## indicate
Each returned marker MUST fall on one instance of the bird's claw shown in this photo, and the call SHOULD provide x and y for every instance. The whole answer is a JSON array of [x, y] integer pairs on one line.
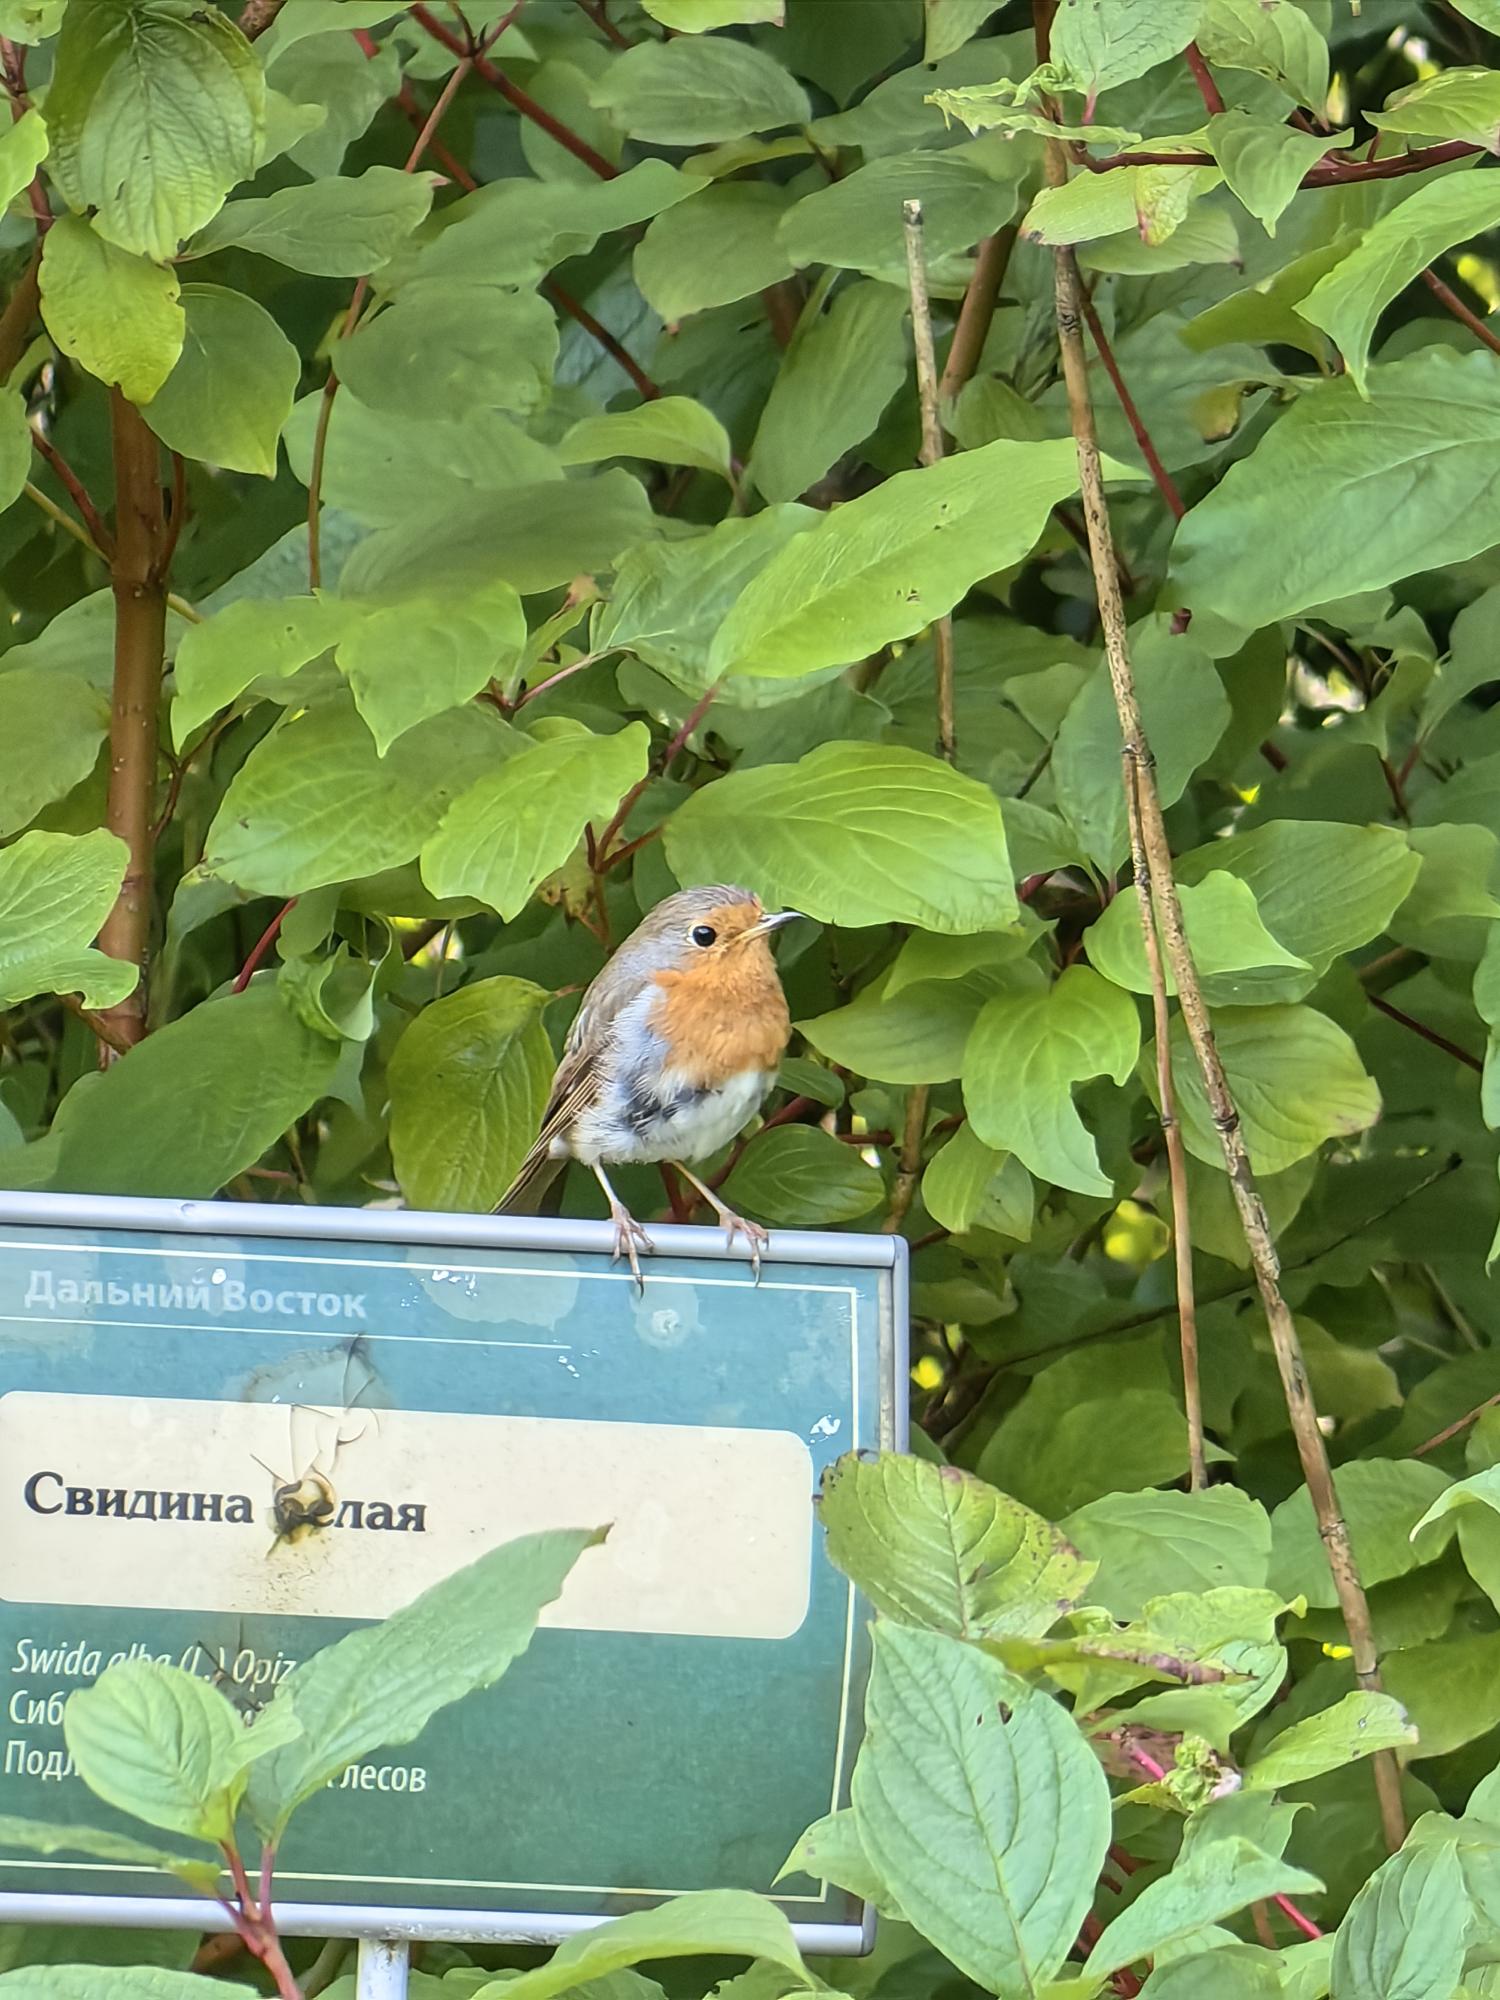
[[629, 1237], [757, 1239]]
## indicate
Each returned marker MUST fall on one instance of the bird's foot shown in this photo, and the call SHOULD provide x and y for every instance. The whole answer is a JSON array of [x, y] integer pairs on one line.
[[629, 1239], [758, 1239]]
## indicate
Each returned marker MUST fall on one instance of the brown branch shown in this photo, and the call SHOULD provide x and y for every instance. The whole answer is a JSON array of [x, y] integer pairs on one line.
[[262, 945], [258, 16], [579, 312], [1329, 172], [932, 452], [909, 1166], [595, 11], [1143, 801], [1164, 483], [1208, 90], [976, 313], [140, 645], [77, 492], [1459, 1424], [518, 98], [783, 303], [1447, 297], [1428, 1034]]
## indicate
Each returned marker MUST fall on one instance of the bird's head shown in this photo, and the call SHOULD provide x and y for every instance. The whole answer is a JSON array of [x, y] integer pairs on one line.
[[717, 924]]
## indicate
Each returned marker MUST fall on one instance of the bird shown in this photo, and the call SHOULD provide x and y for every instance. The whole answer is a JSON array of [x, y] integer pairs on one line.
[[674, 1047]]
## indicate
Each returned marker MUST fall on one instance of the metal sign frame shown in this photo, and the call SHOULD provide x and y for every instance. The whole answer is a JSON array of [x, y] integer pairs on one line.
[[382, 1964]]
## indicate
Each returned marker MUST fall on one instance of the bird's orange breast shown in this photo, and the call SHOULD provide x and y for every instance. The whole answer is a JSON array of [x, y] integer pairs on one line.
[[723, 1016]]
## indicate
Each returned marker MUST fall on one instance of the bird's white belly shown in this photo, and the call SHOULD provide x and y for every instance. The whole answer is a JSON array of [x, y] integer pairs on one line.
[[690, 1128]]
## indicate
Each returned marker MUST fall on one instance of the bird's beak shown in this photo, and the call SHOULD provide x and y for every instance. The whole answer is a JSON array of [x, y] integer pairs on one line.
[[772, 922]]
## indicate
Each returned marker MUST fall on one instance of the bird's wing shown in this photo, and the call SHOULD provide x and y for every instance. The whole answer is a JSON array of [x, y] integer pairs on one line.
[[575, 1086]]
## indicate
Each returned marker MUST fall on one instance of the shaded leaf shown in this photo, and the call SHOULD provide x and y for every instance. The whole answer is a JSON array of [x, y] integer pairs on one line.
[[116, 314], [802, 1177], [55, 892]]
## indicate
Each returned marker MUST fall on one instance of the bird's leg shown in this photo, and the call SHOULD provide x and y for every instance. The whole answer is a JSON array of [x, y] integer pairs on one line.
[[628, 1232], [734, 1225]]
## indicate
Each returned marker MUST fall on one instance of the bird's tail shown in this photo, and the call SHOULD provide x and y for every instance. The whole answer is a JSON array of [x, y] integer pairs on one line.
[[534, 1176]]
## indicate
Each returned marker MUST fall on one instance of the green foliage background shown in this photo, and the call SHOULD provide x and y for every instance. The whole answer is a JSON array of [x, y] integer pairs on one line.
[[625, 577]]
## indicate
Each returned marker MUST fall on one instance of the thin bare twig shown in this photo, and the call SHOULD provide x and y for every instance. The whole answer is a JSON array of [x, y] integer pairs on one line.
[[1449, 299], [1428, 1034], [1143, 799], [932, 452], [1459, 1424], [1165, 485]]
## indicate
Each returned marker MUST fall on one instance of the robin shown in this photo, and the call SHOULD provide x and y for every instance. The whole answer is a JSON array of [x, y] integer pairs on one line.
[[675, 1045]]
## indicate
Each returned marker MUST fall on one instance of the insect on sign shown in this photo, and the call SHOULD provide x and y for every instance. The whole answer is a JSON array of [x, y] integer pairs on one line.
[[230, 1434]]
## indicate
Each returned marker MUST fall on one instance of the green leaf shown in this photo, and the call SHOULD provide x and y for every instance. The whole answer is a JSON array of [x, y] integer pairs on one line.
[[802, 1177], [1185, 710], [54, 724], [916, 1036], [1264, 161], [855, 223], [163, 1745], [463, 643], [1296, 1078], [55, 892], [1148, 1543], [231, 390], [981, 1807], [195, 1103], [854, 833], [692, 92], [830, 1851], [1205, 1886], [330, 228], [1151, 201], [155, 110], [934, 1547], [380, 1686], [885, 565], [700, 17], [1450, 1689], [468, 1085], [968, 1185], [23, 147], [39, 1837], [673, 430], [114, 1982], [1270, 38], [116, 314], [1355, 1727], [1384, 1501], [253, 637], [723, 1923], [1224, 928], [841, 370], [1232, 1972], [497, 348], [1026, 1052], [1009, 105], [516, 825], [1403, 1936], [1454, 104], [721, 246], [315, 802], [1107, 42], [670, 599], [1397, 247], [1243, 554], [1287, 864]]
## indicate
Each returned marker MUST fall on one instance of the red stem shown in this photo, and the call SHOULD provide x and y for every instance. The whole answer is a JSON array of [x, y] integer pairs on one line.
[[518, 98], [262, 945], [77, 492], [1289, 1909], [1428, 1034], [1448, 298], [595, 11], [577, 311], [1327, 173], [699, 709], [1142, 436], [1208, 90]]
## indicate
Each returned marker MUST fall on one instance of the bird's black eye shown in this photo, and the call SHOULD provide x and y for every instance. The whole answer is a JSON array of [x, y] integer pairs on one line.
[[703, 934]]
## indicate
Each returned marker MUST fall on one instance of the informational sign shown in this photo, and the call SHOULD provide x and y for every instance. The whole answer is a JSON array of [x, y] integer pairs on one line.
[[433, 1386]]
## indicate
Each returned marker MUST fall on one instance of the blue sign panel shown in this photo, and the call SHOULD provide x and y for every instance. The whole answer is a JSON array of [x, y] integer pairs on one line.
[[230, 1434]]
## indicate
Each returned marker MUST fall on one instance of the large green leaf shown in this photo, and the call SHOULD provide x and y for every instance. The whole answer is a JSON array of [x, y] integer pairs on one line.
[[855, 223], [1205, 1886], [714, 1922], [803, 1178], [516, 825], [673, 429], [315, 802], [720, 246], [468, 1084], [155, 111], [114, 1982], [1403, 1936], [840, 372], [23, 147], [117, 315], [1454, 104], [194, 1104], [54, 725], [1294, 1075], [231, 388], [1105, 42], [1264, 161], [1146, 1544], [693, 90], [1355, 1727], [1224, 928], [1396, 248], [331, 228], [1431, 422], [463, 641], [969, 1185], [887, 564], [43, 1837], [981, 1806], [1270, 38], [853, 834], [453, 343], [916, 1035], [252, 638], [1026, 1052], [1384, 1501], [381, 1686], [55, 892], [934, 1547]]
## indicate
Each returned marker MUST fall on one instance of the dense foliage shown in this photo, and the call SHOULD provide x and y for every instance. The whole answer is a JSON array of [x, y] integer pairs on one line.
[[579, 333]]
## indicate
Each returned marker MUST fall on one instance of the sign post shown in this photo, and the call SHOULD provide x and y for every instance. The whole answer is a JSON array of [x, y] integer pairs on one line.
[[434, 1385]]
